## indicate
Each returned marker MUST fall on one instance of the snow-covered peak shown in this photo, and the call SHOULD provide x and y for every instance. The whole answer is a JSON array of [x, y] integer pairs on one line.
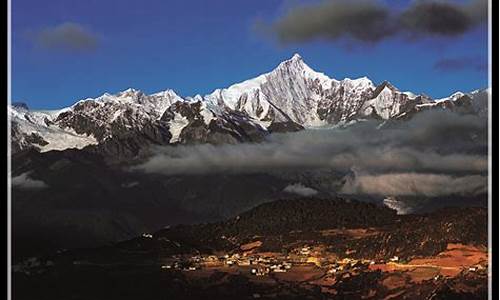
[[386, 90], [130, 91], [166, 93], [114, 105], [289, 97], [296, 60], [410, 94], [389, 85], [38, 126], [388, 102], [456, 96], [452, 97], [129, 94], [292, 91], [289, 92], [159, 102], [296, 65], [362, 83], [14, 111], [19, 106], [296, 56], [232, 94], [196, 98], [486, 90]]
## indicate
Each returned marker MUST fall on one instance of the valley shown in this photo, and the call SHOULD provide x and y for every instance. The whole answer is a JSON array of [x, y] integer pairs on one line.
[[444, 255]]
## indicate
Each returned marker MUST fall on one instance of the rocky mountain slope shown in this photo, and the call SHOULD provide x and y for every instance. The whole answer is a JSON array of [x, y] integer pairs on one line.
[[289, 98]]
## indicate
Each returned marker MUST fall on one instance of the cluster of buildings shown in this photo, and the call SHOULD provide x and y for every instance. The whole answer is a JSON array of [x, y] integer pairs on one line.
[[262, 270], [476, 268], [348, 265], [258, 263], [261, 264]]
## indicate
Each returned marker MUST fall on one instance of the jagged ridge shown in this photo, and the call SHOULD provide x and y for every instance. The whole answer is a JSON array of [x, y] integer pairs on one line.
[[289, 98]]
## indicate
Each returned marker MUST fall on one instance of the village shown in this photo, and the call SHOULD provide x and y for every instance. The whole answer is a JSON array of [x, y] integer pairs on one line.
[[266, 263], [317, 265]]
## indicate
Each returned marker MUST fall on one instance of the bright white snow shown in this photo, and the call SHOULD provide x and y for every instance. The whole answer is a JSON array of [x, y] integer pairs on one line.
[[176, 126], [292, 91]]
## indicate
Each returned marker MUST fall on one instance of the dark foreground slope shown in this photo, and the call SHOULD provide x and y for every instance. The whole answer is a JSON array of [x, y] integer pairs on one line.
[[86, 202], [356, 239]]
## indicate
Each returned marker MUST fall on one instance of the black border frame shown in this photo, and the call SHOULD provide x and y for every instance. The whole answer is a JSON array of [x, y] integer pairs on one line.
[[495, 135]]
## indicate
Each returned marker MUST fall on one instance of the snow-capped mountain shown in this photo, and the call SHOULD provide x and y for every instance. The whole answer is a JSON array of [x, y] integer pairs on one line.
[[37, 129], [295, 92], [288, 98]]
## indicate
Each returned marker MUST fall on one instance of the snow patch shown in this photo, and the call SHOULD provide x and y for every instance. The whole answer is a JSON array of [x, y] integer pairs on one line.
[[452, 97], [176, 126], [410, 95], [59, 139], [56, 137], [207, 115]]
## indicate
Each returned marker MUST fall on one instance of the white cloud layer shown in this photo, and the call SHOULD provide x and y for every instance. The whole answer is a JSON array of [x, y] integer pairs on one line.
[[413, 184], [24, 181], [435, 153], [300, 189]]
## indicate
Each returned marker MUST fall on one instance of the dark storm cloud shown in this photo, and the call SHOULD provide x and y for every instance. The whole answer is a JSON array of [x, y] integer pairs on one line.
[[436, 18], [372, 21], [363, 20], [461, 63], [66, 36]]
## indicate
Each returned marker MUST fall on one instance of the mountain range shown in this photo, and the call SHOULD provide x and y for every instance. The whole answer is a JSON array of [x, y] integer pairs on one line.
[[289, 98], [75, 181]]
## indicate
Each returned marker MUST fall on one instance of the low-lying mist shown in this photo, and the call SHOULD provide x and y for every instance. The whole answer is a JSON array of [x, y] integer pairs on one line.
[[433, 154]]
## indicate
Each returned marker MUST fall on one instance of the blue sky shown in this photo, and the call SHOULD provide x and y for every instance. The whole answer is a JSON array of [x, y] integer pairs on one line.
[[198, 46]]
